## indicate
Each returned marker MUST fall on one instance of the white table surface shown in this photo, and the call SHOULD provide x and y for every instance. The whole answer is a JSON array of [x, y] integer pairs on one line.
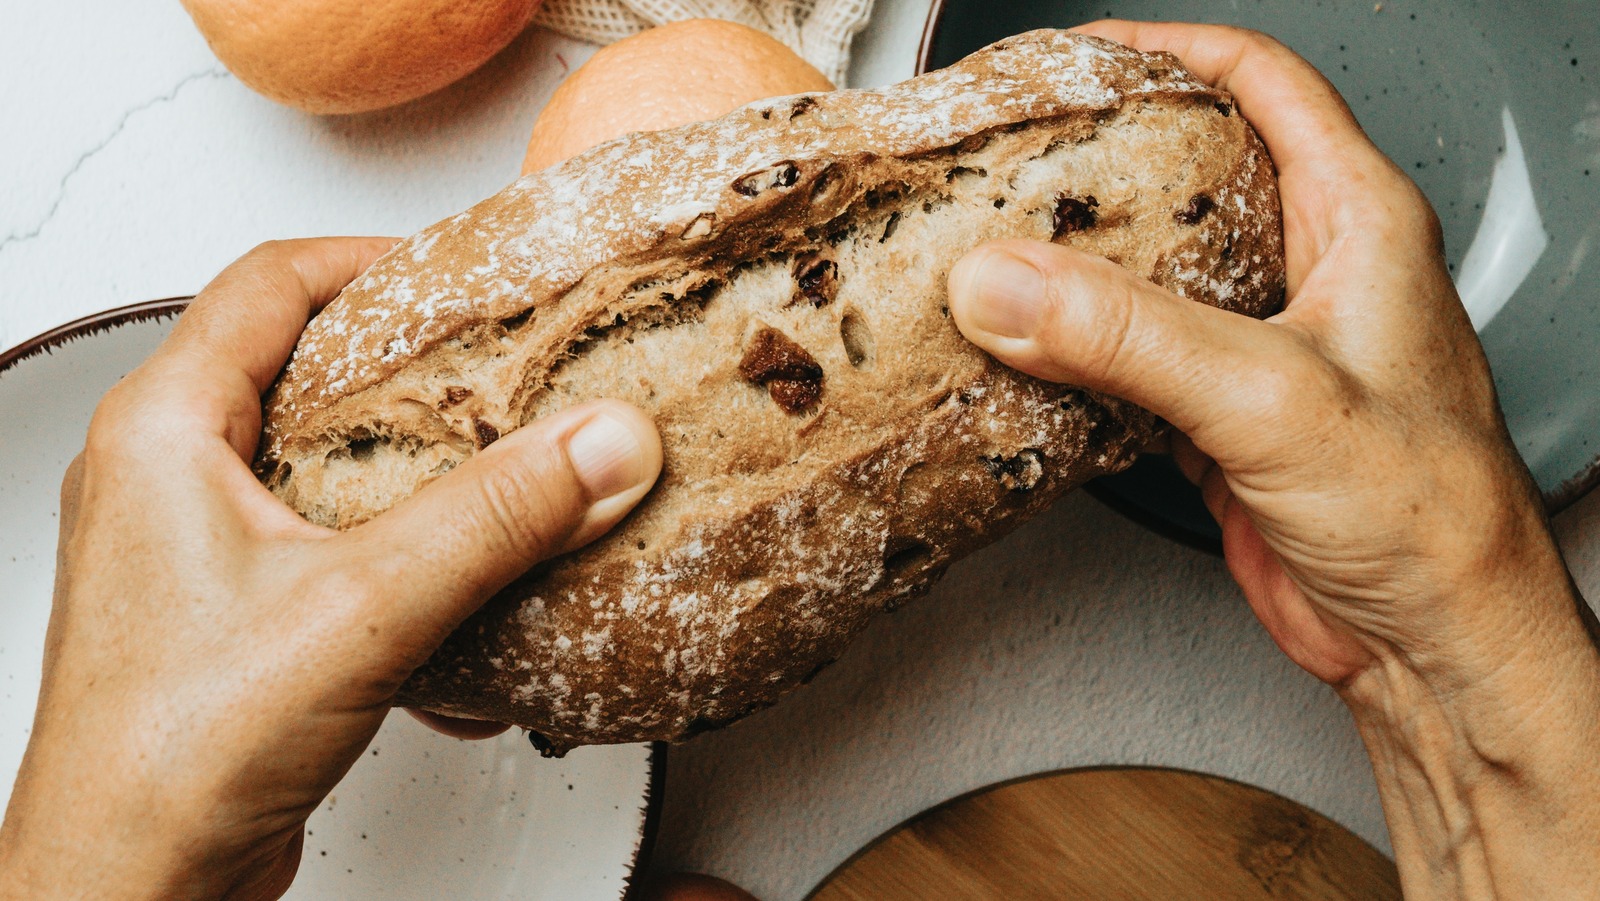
[[134, 167]]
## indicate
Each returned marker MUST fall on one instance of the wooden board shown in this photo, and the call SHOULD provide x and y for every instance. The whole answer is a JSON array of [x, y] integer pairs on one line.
[[1117, 835]]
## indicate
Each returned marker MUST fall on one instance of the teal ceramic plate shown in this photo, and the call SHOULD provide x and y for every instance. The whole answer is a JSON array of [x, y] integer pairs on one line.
[[1494, 109]]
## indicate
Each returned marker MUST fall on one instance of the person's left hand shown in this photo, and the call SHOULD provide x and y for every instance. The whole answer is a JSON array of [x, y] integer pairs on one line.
[[215, 663]]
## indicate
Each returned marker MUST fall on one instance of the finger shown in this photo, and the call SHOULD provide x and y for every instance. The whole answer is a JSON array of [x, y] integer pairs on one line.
[[1066, 316], [1325, 162], [1297, 112], [71, 496], [71, 499], [540, 491], [228, 346], [250, 316], [457, 727]]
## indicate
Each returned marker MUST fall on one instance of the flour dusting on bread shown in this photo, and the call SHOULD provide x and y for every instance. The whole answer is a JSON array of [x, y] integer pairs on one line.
[[770, 286]]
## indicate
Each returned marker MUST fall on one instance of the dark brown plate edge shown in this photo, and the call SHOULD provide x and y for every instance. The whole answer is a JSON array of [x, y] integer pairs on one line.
[[90, 325], [96, 323], [655, 794], [1160, 525], [930, 33], [1555, 500]]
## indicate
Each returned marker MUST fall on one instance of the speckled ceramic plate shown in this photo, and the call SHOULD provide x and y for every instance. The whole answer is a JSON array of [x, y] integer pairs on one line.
[[1494, 108], [422, 816]]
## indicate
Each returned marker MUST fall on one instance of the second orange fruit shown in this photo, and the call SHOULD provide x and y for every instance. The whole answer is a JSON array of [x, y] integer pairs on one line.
[[671, 75]]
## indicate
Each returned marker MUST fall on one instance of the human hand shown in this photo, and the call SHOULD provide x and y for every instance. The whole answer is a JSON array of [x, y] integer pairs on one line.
[[1351, 447], [215, 663], [1373, 509]]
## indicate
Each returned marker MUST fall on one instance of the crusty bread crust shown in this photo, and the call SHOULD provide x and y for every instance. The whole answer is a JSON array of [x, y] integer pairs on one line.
[[770, 286]]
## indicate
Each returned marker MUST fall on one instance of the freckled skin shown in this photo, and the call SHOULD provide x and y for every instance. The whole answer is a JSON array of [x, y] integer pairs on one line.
[[1398, 550], [1455, 639], [239, 657], [584, 263]]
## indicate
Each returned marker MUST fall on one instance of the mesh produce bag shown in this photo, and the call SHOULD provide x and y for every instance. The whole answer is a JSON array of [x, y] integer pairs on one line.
[[819, 30]]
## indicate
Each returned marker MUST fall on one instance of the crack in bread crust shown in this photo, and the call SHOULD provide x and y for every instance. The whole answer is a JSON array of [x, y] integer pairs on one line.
[[863, 446]]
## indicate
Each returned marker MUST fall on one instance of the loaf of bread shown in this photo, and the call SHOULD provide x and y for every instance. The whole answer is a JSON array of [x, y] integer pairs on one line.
[[770, 286]]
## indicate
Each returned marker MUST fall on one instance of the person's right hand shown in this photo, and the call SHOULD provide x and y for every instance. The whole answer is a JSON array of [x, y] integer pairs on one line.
[[1373, 509], [1351, 447]]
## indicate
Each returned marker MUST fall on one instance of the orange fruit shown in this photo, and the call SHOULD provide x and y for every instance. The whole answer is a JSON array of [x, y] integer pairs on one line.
[[671, 75], [349, 56]]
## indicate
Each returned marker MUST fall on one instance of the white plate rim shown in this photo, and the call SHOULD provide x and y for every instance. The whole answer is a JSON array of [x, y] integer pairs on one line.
[[169, 307]]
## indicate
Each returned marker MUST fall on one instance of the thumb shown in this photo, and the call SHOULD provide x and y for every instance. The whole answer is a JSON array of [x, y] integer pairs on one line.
[[538, 492], [1065, 316]]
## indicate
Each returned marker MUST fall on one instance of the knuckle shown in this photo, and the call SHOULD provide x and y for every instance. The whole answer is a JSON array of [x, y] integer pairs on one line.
[[268, 263], [274, 251], [528, 501], [350, 585], [1398, 212], [347, 590], [74, 469], [1304, 380], [133, 427], [1257, 41], [72, 481], [1282, 385], [127, 445], [112, 423], [1248, 43], [1091, 338], [1424, 220]]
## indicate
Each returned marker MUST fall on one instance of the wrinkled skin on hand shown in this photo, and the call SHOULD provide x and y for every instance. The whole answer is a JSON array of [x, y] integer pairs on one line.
[[1373, 509], [215, 663], [1350, 447]]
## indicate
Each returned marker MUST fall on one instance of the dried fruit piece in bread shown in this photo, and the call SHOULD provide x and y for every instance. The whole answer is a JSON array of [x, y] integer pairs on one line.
[[770, 286]]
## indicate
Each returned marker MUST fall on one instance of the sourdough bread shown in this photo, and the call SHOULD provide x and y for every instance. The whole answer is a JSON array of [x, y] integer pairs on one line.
[[770, 286]]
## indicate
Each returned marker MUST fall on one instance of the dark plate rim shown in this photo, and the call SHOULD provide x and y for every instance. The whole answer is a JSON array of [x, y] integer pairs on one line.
[[1555, 500], [1161, 525], [91, 325], [167, 307]]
